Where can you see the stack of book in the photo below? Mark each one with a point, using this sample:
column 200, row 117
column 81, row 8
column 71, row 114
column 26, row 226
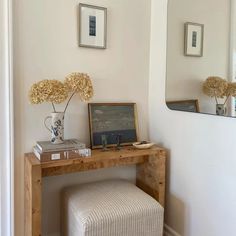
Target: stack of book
column 46, row 151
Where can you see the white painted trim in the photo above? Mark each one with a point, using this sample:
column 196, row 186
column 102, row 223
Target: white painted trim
column 168, row 231
column 232, row 57
column 6, row 125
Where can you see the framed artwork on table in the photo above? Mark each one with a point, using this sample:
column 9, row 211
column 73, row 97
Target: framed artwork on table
column 112, row 120
column 193, row 43
column 92, row 26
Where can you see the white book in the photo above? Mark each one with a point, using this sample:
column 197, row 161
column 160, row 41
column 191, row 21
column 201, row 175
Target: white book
column 70, row 144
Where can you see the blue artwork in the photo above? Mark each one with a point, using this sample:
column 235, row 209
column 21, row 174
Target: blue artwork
column 92, row 25
column 194, row 39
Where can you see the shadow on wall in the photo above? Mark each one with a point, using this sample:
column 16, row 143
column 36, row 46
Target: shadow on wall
column 176, row 218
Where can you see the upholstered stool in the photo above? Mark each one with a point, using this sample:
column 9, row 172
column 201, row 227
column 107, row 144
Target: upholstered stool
column 110, row 208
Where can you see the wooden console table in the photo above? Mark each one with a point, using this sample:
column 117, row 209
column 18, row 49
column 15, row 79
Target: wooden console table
column 150, row 165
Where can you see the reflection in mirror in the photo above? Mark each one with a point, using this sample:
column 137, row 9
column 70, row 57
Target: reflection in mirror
column 200, row 66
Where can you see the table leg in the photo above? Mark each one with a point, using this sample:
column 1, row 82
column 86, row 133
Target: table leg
column 33, row 199
column 151, row 176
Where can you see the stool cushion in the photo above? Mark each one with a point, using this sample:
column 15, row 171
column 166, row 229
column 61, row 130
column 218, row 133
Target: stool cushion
column 110, row 208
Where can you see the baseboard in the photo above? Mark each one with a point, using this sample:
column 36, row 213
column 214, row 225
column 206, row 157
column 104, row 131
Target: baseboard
column 168, row 231
column 53, row 234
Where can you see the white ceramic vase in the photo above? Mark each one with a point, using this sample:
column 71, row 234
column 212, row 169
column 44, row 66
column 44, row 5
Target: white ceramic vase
column 56, row 127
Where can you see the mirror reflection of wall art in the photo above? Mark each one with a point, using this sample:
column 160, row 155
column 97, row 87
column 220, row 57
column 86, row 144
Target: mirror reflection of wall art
column 184, row 105
column 194, row 34
column 92, row 26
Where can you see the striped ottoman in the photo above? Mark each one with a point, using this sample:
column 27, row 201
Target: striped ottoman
column 110, row 208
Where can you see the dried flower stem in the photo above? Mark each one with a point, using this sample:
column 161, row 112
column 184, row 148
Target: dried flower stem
column 226, row 99
column 69, row 101
column 54, row 109
column 216, row 98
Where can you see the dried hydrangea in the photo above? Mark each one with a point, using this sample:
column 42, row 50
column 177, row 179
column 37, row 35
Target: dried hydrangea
column 37, row 94
column 80, row 83
column 215, row 87
column 56, row 92
column 59, row 92
column 52, row 91
column 231, row 90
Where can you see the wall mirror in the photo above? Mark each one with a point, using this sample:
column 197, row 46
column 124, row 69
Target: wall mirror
column 201, row 59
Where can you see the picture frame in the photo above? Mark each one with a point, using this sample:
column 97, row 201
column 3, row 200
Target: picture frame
column 194, row 38
column 92, row 26
column 184, row 105
column 112, row 119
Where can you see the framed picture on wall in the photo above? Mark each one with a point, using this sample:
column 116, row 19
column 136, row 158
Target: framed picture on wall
column 194, row 35
column 112, row 120
column 92, row 26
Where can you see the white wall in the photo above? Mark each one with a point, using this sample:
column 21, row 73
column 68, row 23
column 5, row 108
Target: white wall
column 45, row 47
column 187, row 74
column 201, row 198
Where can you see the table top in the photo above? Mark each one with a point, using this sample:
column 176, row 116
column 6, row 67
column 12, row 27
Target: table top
column 97, row 155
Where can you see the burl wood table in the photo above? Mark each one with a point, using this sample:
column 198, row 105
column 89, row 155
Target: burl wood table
column 150, row 166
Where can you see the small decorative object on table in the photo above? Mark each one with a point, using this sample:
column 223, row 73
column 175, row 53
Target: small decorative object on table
column 143, row 145
column 118, row 141
column 104, row 142
column 86, row 152
column 219, row 88
column 56, row 92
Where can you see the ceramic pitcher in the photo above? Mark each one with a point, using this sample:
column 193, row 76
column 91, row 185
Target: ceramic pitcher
column 220, row 110
column 57, row 127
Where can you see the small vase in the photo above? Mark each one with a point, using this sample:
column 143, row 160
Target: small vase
column 57, row 127
column 220, row 110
